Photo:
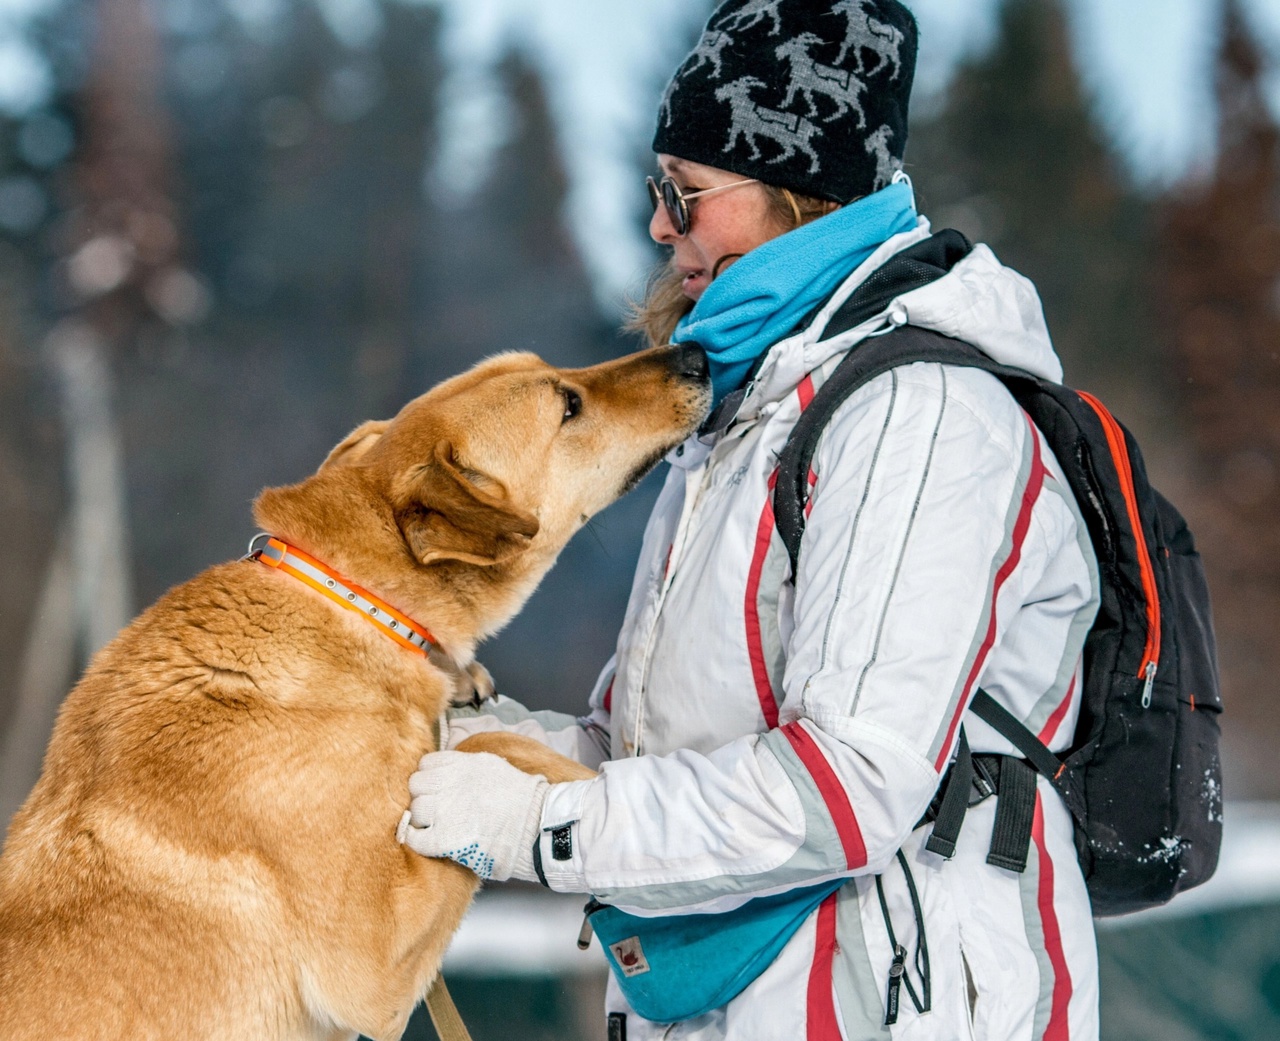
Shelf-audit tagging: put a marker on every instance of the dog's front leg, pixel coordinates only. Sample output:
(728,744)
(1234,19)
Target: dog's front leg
(528,755)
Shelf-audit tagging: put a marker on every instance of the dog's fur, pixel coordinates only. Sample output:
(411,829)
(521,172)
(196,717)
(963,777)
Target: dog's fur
(210,851)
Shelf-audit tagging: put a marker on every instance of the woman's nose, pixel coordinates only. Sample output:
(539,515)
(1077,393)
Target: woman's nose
(661,230)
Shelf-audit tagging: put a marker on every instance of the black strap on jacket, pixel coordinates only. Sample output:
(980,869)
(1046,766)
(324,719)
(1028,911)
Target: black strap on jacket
(971,779)
(1015,815)
(954,792)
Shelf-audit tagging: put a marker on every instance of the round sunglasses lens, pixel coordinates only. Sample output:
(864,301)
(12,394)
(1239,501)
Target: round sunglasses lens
(677,208)
(655,194)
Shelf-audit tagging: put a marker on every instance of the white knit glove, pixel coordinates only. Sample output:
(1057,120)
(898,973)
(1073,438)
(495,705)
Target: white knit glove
(477,809)
(458,724)
(496,715)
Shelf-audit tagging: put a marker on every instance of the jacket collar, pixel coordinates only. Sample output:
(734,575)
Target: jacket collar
(793,358)
(979,300)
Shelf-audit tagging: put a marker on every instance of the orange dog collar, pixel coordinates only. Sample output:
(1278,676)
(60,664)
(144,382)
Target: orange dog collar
(269,550)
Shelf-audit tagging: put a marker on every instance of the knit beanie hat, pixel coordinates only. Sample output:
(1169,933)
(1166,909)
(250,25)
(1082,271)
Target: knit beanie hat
(809,95)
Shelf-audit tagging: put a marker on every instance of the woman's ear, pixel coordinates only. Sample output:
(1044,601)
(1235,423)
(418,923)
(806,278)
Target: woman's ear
(443,516)
(356,443)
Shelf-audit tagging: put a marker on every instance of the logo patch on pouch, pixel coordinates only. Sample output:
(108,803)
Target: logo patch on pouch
(630,956)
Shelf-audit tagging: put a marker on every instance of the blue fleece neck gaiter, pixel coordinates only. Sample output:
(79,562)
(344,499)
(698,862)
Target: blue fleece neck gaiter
(760,298)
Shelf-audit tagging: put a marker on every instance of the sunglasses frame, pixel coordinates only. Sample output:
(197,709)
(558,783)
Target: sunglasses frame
(676,201)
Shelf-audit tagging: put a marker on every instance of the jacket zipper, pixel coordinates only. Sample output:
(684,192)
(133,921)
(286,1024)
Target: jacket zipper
(692,495)
(1115,438)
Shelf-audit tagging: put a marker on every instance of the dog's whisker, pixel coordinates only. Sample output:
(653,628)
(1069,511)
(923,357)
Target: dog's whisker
(594,531)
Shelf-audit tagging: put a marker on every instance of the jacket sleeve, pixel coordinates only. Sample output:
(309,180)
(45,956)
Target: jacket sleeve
(924,541)
(584,739)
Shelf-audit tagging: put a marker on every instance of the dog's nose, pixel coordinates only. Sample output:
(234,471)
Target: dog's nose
(690,361)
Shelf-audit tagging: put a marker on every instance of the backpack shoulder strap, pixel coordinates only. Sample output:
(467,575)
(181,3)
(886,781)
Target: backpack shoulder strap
(905,345)
(871,358)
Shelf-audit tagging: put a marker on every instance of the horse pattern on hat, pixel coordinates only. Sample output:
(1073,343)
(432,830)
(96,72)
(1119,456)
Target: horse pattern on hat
(807,96)
(752,122)
(864,32)
(809,77)
(752,13)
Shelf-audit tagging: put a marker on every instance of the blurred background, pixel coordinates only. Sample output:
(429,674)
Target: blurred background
(230,230)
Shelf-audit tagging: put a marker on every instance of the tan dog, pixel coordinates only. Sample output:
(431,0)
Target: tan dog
(210,851)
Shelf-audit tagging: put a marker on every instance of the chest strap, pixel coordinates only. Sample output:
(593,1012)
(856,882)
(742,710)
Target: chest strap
(973,778)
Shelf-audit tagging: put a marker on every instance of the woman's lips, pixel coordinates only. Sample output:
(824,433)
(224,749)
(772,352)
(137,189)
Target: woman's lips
(693,283)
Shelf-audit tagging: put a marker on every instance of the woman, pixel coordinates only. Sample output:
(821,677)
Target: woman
(757,735)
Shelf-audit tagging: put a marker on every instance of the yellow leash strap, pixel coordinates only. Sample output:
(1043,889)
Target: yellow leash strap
(444,1013)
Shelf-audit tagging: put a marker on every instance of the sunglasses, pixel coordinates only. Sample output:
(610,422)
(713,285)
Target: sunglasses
(668,193)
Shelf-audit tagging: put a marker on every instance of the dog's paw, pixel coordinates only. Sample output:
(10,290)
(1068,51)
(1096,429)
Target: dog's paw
(472,686)
(482,686)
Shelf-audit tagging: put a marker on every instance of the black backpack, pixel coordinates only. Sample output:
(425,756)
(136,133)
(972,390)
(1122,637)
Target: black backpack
(1142,778)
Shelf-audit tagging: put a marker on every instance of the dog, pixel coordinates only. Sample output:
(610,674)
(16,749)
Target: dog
(210,851)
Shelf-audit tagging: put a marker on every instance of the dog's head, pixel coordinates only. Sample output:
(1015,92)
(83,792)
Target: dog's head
(482,480)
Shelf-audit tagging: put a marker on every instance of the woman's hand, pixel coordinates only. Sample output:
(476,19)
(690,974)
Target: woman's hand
(477,809)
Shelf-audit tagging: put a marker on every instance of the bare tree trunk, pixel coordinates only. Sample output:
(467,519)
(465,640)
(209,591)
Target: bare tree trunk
(47,671)
(95,472)
(122,266)
(86,598)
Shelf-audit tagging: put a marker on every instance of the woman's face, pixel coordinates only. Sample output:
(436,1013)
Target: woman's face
(722,227)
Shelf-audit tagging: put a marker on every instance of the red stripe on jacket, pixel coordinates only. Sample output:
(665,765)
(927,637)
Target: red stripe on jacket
(820,1019)
(751,611)
(1055,720)
(805,392)
(751,601)
(832,792)
(1059,1027)
(1031,493)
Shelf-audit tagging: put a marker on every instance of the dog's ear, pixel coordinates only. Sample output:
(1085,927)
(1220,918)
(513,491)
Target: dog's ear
(356,443)
(444,516)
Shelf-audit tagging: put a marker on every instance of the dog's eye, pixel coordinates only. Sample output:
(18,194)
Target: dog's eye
(572,403)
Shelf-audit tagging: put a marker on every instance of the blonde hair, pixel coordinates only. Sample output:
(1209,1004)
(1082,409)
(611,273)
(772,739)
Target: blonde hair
(664,304)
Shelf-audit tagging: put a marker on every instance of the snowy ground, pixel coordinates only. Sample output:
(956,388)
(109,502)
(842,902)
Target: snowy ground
(524,932)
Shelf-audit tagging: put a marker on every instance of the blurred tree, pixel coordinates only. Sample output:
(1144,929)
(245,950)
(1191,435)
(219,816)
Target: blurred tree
(1220,298)
(36,663)
(33,150)
(121,239)
(504,273)
(1015,158)
(116,278)
(304,155)
(31,497)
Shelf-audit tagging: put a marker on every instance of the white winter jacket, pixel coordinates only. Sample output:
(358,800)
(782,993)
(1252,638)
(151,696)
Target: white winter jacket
(764,735)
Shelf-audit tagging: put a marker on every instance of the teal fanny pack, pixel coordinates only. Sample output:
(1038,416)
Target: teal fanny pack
(675,968)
